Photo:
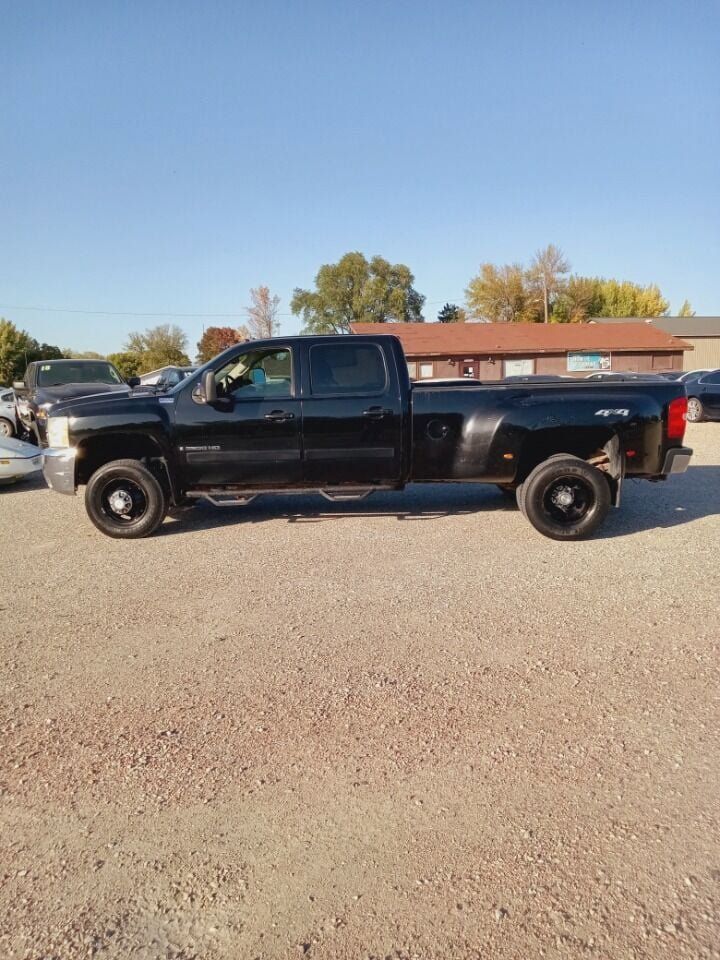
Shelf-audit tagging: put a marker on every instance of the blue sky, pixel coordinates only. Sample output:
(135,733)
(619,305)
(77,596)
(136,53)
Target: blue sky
(164,157)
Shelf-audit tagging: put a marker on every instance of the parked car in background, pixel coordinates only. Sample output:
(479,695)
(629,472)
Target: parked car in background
(8,413)
(692,375)
(622,375)
(672,374)
(703,396)
(165,377)
(18,459)
(48,381)
(535,378)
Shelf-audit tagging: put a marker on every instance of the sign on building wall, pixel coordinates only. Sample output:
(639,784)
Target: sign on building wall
(582,362)
(519,368)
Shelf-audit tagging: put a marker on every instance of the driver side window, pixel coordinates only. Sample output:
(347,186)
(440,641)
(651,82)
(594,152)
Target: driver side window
(256,375)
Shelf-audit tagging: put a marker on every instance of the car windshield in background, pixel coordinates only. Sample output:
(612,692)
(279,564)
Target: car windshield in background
(62,374)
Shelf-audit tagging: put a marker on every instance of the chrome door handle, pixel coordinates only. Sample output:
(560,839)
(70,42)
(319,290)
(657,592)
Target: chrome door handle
(376,413)
(279,415)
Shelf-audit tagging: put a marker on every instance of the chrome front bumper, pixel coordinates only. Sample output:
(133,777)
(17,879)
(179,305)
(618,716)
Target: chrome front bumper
(59,469)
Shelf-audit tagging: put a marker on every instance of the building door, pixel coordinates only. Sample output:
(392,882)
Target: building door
(468,368)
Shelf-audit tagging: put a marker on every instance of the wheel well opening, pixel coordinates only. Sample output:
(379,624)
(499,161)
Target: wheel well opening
(92,454)
(598,446)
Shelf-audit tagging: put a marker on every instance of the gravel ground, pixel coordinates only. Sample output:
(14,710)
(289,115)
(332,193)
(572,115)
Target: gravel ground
(407,728)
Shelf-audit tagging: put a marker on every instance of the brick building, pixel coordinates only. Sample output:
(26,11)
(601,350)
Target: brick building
(491,351)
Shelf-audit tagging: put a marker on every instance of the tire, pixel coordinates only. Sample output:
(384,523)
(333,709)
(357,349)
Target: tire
(695,412)
(7,428)
(138,505)
(545,506)
(520,492)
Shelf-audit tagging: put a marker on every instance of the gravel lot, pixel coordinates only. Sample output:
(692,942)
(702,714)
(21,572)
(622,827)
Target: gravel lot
(410,727)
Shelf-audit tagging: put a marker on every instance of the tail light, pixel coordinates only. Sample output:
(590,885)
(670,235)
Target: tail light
(677,417)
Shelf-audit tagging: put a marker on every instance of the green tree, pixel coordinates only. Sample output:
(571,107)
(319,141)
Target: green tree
(579,300)
(159,346)
(500,294)
(127,363)
(546,277)
(451,313)
(18,348)
(14,345)
(82,354)
(622,298)
(216,339)
(686,309)
(355,290)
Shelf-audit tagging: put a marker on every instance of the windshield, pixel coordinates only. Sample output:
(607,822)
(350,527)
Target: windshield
(62,374)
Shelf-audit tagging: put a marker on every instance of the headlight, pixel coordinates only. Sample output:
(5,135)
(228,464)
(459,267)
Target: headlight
(42,413)
(58,433)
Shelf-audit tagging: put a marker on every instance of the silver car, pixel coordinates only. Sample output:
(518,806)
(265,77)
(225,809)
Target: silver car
(8,413)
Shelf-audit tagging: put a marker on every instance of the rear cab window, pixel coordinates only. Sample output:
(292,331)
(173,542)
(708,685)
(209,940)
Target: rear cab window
(347,369)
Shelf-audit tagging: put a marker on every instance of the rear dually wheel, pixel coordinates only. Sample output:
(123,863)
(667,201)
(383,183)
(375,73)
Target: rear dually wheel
(566,498)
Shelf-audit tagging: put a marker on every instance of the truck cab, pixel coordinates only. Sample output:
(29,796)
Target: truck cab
(307,411)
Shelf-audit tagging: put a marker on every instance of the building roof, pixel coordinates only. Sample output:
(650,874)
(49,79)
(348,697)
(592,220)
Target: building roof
(677,326)
(451,339)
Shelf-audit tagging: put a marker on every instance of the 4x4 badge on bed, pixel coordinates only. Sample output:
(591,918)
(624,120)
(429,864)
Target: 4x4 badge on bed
(620,412)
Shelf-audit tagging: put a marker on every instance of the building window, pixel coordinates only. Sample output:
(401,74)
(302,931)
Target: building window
(426,370)
(518,368)
(412,369)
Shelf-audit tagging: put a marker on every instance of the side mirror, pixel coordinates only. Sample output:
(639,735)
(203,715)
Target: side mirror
(210,387)
(133,381)
(19,385)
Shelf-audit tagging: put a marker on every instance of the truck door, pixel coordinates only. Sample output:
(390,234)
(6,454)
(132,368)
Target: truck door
(352,414)
(252,435)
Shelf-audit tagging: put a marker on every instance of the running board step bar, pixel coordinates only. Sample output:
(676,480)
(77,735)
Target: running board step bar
(224,500)
(345,496)
(222,497)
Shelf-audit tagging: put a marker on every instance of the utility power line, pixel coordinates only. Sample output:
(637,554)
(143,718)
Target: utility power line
(170,314)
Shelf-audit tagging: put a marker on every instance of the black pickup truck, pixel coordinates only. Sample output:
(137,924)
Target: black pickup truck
(339,415)
(47,382)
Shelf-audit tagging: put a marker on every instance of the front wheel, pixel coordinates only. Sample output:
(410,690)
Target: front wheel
(125,500)
(566,499)
(695,410)
(7,428)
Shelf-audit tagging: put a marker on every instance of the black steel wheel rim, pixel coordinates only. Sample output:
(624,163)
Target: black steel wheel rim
(568,500)
(123,501)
